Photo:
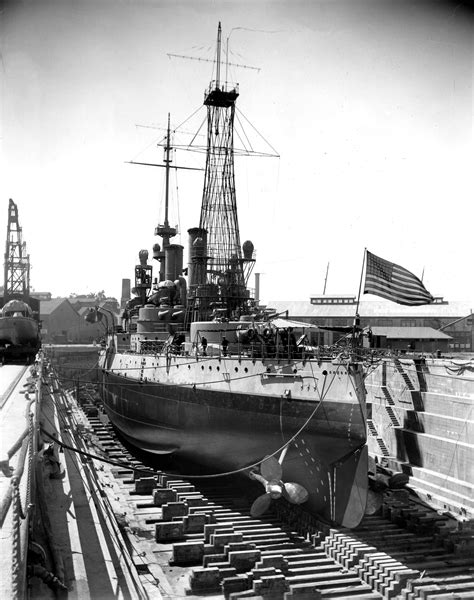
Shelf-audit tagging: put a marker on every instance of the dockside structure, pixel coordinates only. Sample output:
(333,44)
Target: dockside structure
(444,318)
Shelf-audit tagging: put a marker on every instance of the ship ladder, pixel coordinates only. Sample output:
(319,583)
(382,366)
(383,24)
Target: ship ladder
(190,305)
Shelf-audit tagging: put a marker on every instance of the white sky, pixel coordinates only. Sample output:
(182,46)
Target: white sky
(369,105)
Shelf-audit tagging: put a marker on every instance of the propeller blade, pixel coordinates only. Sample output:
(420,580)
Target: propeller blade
(260,505)
(271,469)
(295,493)
(374,502)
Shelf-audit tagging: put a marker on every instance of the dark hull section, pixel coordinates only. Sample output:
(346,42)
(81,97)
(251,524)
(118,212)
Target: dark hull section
(421,421)
(19,336)
(228,431)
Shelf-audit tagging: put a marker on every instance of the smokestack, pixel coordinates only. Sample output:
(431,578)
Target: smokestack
(125,292)
(173,262)
(197,265)
(257,288)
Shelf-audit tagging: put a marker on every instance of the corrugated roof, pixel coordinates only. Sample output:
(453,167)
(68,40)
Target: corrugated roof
(407,333)
(370,308)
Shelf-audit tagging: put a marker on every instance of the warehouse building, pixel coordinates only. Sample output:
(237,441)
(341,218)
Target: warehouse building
(440,325)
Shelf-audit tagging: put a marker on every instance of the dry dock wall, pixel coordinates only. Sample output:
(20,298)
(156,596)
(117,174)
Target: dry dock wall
(75,364)
(422,421)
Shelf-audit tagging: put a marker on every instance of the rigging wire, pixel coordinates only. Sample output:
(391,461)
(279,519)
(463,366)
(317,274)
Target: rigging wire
(177,200)
(276,155)
(160,140)
(198,132)
(244,132)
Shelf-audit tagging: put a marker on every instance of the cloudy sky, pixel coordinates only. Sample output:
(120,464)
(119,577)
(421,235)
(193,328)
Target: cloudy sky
(368,103)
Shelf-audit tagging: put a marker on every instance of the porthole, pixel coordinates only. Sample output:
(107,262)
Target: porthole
(202,368)
(236,369)
(210,368)
(189,366)
(325,372)
(218,368)
(246,370)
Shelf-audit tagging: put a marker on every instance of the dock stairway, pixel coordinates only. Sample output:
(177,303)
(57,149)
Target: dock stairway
(392,416)
(379,440)
(387,395)
(406,378)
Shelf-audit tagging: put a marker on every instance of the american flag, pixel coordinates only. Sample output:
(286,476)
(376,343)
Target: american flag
(388,280)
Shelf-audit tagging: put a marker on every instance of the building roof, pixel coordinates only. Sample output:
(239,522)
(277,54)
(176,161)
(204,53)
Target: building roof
(370,308)
(410,333)
(49,306)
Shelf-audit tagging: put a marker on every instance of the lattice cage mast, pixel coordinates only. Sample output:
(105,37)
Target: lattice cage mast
(228,266)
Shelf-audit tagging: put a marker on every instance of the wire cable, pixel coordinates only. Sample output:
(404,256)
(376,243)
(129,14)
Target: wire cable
(191,476)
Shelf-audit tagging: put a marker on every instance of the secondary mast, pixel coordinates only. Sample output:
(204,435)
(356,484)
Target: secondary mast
(164,230)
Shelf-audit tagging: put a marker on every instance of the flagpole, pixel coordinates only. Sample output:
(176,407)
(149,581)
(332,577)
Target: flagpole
(360,283)
(356,317)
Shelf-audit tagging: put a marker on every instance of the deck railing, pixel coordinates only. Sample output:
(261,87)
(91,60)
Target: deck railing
(17,503)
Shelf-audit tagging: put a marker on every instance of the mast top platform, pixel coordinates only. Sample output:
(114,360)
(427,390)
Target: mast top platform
(221,94)
(165,231)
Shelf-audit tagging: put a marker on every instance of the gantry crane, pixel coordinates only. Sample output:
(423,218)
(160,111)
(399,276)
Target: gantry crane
(17,264)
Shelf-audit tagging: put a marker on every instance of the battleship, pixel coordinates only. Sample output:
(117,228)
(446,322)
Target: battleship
(19,315)
(198,370)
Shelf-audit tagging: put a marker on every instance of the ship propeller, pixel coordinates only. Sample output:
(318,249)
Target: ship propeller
(270,477)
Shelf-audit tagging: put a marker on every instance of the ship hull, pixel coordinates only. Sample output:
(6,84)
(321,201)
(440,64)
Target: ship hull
(228,414)
(19,335)
(421,421)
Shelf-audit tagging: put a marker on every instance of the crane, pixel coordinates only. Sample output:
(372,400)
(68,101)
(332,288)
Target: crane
(17,264)
(19,315)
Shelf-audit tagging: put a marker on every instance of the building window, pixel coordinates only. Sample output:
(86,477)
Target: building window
(408,323)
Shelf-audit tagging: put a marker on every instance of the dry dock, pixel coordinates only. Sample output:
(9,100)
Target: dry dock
(89,519)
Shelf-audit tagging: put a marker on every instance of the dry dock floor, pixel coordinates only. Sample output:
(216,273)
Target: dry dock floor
(126,530)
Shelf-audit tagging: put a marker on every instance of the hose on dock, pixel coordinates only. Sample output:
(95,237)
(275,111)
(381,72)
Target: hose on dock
(49,578)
